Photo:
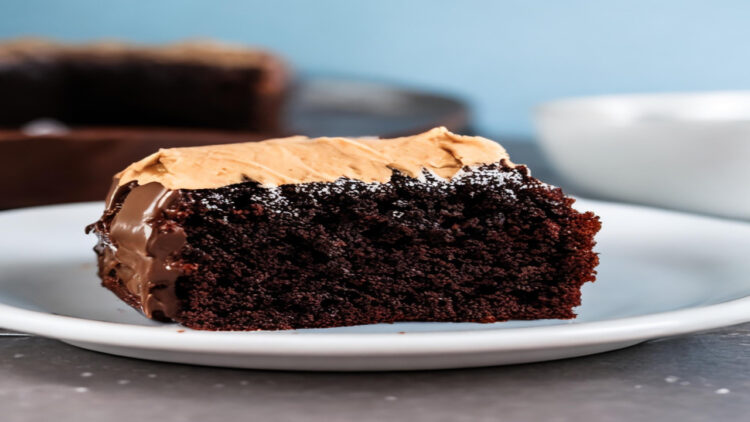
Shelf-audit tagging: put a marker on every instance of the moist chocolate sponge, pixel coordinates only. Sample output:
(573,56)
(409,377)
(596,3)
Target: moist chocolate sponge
(492,244)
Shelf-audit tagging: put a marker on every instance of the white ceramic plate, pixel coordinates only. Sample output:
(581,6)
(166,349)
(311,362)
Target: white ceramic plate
(661,274)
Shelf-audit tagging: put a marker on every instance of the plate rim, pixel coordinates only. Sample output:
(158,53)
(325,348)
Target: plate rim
(293,343)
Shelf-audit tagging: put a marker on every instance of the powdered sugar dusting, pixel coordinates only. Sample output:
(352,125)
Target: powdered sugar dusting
(495,176)
(470,181)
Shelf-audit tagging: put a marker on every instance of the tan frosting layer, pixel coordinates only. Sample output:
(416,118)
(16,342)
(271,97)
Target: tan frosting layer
(300,159)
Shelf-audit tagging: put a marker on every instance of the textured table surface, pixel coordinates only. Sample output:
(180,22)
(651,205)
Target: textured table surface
(705,376)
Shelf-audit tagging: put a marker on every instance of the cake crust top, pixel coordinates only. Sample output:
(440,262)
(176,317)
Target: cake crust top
(299,159)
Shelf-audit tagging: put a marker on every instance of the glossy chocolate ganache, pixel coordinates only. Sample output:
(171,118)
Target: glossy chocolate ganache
(138,250)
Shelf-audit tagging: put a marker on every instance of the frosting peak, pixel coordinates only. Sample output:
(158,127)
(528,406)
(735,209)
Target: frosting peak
(299,159)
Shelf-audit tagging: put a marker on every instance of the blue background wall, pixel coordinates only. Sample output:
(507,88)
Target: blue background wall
(502,56)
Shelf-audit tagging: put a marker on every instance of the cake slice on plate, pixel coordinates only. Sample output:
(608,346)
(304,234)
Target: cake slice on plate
(300,233)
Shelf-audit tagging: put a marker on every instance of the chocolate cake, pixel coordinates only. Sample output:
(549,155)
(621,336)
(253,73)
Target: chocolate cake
(191,84)
(299,233)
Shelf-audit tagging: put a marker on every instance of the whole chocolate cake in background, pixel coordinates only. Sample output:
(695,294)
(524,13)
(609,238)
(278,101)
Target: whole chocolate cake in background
(190,84)
(326,232)
(104,105)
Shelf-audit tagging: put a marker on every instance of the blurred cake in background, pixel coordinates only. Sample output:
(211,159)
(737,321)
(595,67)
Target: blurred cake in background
(189,84)
(71,113)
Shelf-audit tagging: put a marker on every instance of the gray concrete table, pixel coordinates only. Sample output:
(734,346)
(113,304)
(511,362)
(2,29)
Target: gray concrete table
(700,377)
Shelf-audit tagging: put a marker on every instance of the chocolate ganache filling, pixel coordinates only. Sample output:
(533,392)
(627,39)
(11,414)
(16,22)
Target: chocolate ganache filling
(140,247)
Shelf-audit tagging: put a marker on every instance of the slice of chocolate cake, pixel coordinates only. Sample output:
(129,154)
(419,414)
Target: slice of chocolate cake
(298,232)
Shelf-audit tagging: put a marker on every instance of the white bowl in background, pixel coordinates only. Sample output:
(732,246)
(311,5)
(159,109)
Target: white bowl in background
(687,151)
